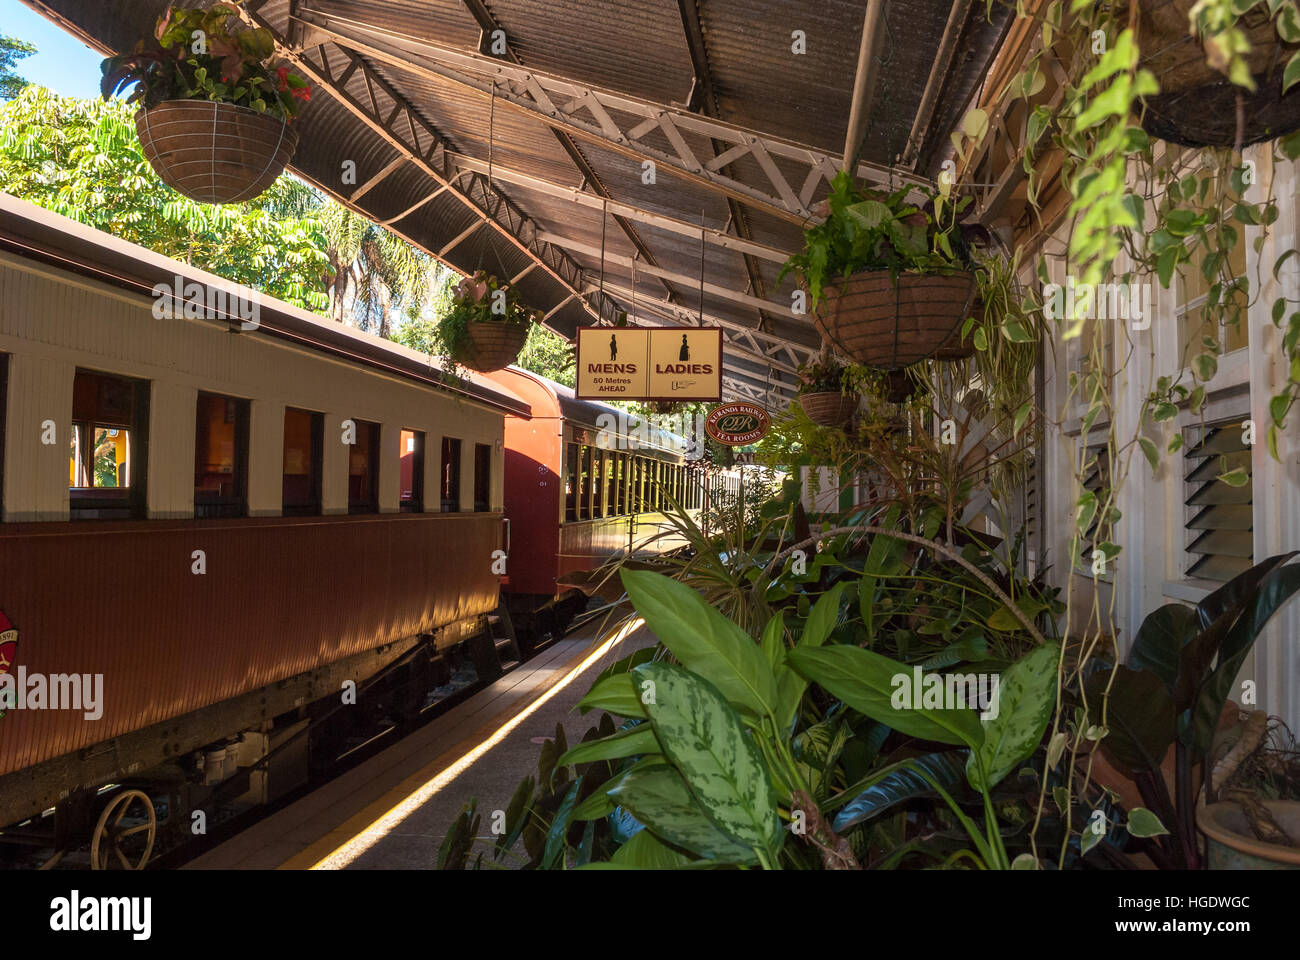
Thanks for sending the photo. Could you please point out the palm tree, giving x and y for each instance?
(381, 271)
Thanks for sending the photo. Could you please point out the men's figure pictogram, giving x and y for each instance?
(613, 347)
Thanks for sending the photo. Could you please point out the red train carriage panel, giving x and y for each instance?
(279, 596)
(579, 491)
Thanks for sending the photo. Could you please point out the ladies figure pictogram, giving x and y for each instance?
(685, 353)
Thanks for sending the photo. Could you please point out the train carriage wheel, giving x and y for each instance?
(123, 841)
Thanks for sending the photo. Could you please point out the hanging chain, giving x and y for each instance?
(604, 222)
(701, 266)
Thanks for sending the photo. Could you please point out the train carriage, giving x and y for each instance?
(218, 518)
(585, 483)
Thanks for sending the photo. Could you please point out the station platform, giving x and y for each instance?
(393, 810)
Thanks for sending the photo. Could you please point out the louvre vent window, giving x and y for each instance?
(1220, 528)
(1096, 477)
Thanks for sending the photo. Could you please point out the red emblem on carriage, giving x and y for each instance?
(8, 643)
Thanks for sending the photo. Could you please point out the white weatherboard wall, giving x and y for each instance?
(1151, 568)
(52, 323)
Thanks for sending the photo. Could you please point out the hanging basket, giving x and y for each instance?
(492, 345)
(890, 323)
(1197, 105)
(830, 408)
(664, 407)
(215, 152)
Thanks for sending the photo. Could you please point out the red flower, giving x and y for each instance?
(283, 74)
(301, 93)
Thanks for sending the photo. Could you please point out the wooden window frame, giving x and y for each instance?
(314, 505)
(207, 506)
(414, 503)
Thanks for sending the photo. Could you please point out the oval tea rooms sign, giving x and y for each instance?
(737, 424)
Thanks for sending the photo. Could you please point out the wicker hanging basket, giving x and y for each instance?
(215, 152)
(1197, 105)
(493, 345)
(890, 323)
(830, 408)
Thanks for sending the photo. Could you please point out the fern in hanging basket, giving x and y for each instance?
(487, 324)
(216, 112)
(889, 283)
(828, 392)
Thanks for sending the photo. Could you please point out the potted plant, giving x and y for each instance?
(215, 117)
(1251, 813)
(1170, 698)
(487, 324)
(1220, 63)
(827, 392)
(890, 283)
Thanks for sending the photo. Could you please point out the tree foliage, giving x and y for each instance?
(81, 158)
(11, 51)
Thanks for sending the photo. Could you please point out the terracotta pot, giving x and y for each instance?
(890, 323)
(493, 345)
(215, 152)
(830, 408)
(1197, 105)
(1232, 846)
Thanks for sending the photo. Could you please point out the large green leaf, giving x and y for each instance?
(822, 617)
(1275, 590)
(707, 743)
(658, 797)
(615, 694)
(1139, 717)
(901, 783)
(645, 851)
(553, 855)
(1238, 591)
(705, 641)
(631, 742)
(1161, 638)
(866, 682)
(1025, 697)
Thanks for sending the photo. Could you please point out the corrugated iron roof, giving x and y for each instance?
(634, 48)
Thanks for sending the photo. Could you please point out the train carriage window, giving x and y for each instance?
(570, 482)
(634, 493)
(657, 479)
(597, 483)
(412, 471)
(220, 457)
(611, 484)
(107, 469)
(584, 484)
(450, 475)
(303, 444)
(624, 481)
(482, 478)
(363, 468)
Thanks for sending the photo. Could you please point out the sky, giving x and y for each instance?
(62, 62)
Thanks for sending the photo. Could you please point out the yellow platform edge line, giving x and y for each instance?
(434, 775)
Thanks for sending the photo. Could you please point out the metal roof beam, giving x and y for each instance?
(616, 121)
(506, 219)
(731, 339)
(809, 344)
(626, 211)
(712, 289)
(488, 23)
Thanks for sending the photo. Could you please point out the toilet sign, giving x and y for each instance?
(649, 363)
